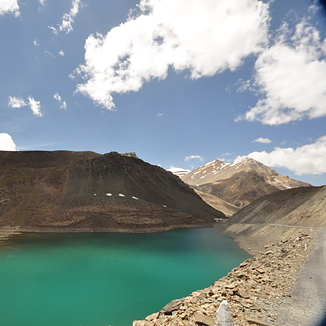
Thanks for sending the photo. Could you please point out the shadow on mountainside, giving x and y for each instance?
(64, 190)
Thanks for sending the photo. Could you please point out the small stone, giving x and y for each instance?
(138, 323)
(257, 322)
(152, 316)
(230, 286)
(243, 294)
(203, 319)
(173, 305)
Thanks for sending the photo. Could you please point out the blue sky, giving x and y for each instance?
(180, 83)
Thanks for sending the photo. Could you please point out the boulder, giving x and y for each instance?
(223, 315)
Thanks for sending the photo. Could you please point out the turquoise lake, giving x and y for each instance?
(101, 279)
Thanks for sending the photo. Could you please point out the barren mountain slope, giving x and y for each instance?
(239, 183)
(85, 190)
(305, 206)
(218, 203)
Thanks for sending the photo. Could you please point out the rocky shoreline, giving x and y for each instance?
(254, 290)
(7, 231)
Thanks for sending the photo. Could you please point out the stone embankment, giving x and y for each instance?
(254, 290)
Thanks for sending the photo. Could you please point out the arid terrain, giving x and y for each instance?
(84, 191)
(235, 185)
(277, 216)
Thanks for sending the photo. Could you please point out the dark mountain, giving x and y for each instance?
(63, 190)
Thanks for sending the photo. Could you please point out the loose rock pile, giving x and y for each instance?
(254, 290)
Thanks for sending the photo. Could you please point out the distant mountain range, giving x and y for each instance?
(64, 190)
(235, 185)
(86, 191)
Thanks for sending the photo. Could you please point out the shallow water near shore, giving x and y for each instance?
(101, 279)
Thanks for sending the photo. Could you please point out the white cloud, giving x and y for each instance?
(35, 106)
(159, 115)
(36, 43)
(57, 97)
(244, 85)
(16, 102)
(53, 29)
(223, 159)
(291, 75)
(48, 53)
(42, 2)
(174, 169)
(307, 159)
(9, 6)
(205, 37)
(63, 104)
(262, 140)
(68, 18)
(194, 157)
(61, 53)
(6, 143)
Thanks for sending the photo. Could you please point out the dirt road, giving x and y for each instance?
(307, 304)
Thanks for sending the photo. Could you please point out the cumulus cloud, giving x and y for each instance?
(262, 140)
(61, 53)
(307, 159)
(204, 37)
(68, 18)
(9, 6)
(63, 104)
(291, 76)
(6, 143)
(35, 106)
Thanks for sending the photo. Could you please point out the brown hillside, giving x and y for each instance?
(305, 206)
(218, 203)
(85, 190)
(239, 183)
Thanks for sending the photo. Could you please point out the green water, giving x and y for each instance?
(107, 278)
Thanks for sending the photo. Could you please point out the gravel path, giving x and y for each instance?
(307, 304)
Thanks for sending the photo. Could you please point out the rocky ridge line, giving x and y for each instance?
(254, 290)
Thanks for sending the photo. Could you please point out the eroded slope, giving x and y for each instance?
(89, 191)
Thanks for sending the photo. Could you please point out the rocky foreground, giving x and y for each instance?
(254, 290)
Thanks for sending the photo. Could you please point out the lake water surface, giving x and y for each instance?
(101, 279)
